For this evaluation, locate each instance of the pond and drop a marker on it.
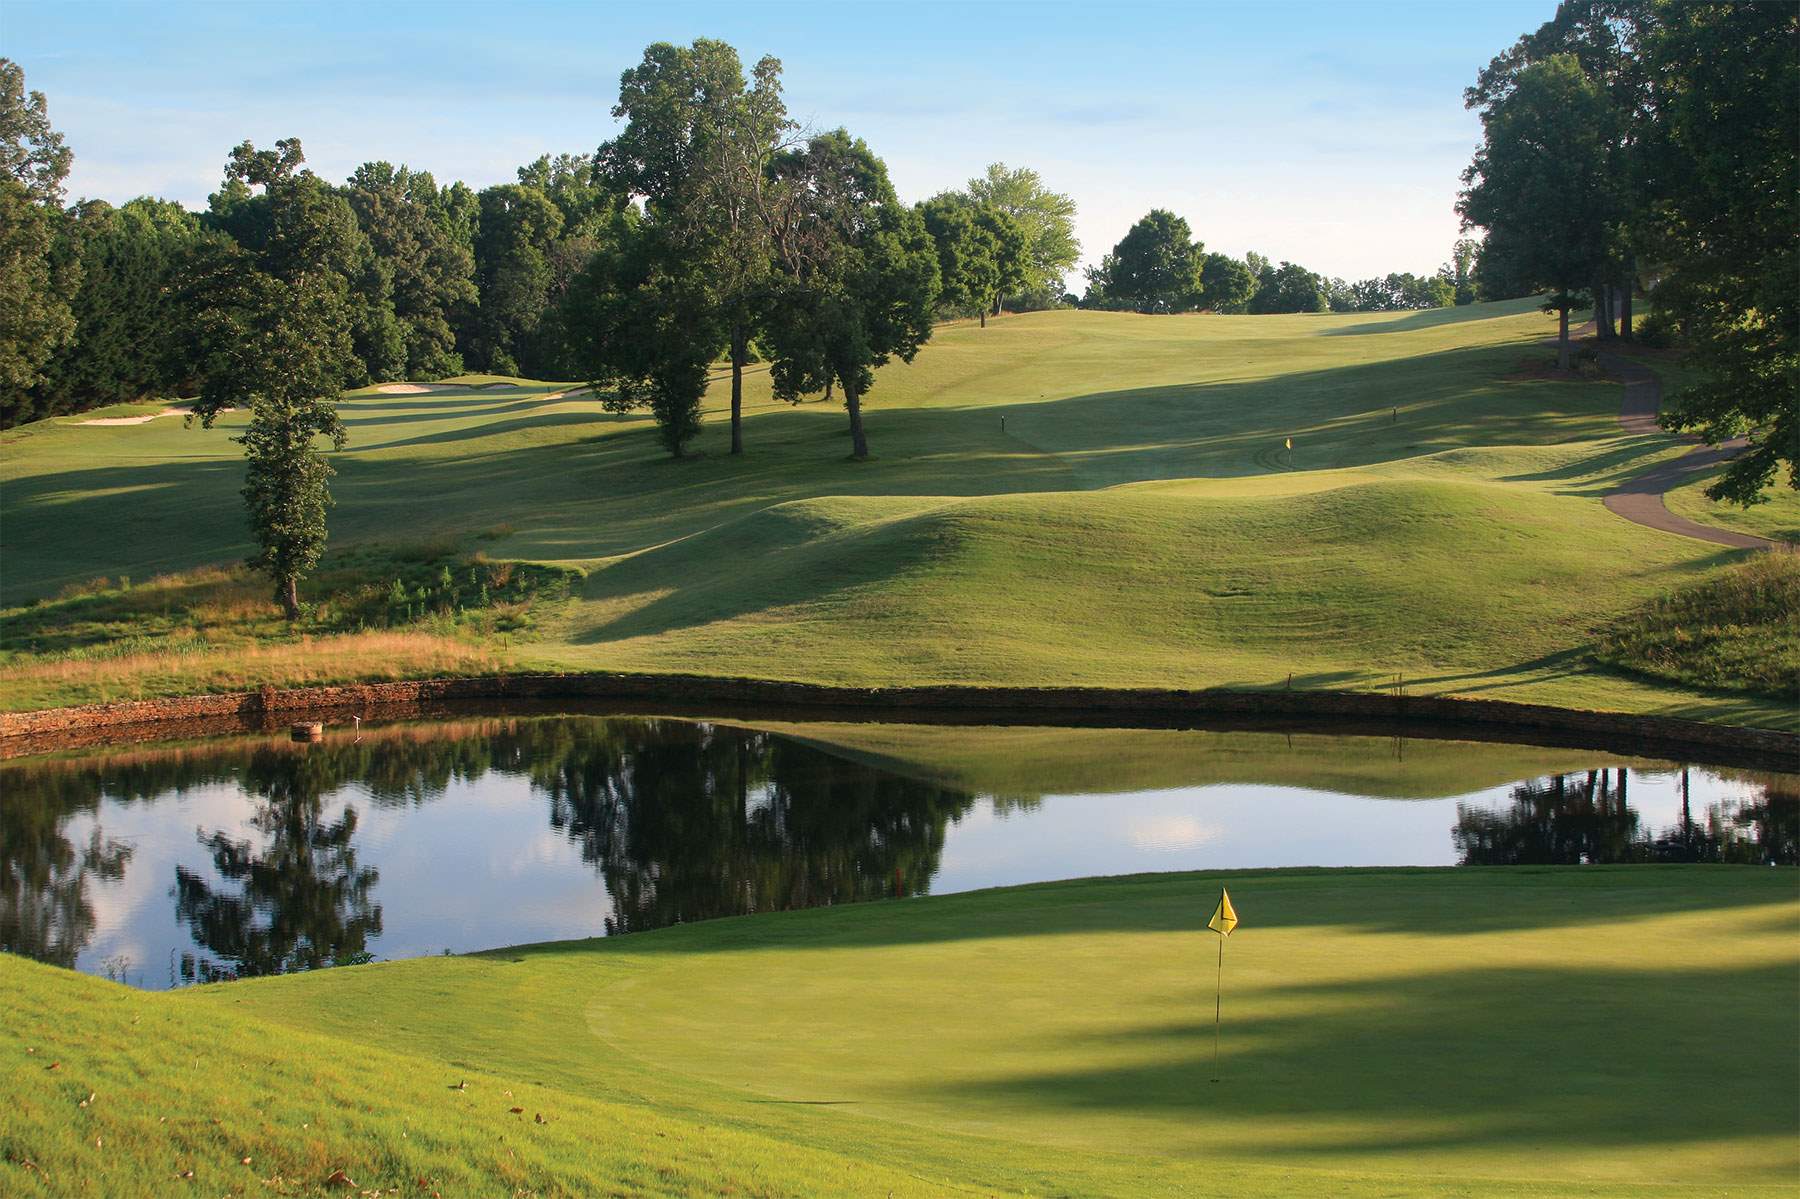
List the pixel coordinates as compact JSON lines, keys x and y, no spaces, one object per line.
{"x":166,"y":865}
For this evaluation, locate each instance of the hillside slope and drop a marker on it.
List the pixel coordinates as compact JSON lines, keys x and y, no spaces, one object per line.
{"x":1063,"y":497}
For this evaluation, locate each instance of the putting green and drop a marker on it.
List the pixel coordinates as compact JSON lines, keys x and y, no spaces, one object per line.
{"x":1595,"y":1031}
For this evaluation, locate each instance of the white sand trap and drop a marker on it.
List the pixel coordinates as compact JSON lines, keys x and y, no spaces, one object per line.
{"x":136,"y":420}
{"x":414,"y":389}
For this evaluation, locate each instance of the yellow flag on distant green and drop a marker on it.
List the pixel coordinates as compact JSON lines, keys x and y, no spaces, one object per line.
{"x":1290,"y":443}
{"x":1225,"y":918}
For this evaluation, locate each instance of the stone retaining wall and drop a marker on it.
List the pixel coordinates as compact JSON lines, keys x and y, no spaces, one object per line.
{"x":30,"y":732}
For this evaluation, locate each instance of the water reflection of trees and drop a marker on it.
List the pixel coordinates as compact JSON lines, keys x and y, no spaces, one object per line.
{"x":298,"y":900}
{"x":690,"y":821}
{"x":1573,"y":819}
{"x":46,"y":911}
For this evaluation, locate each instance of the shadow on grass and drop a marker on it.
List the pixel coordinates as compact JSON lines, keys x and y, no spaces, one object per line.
{"x":1524,"y":1058}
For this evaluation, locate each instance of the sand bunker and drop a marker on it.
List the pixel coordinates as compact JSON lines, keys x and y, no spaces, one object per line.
{"x":135,"y":420}
{"x":413,"y":389}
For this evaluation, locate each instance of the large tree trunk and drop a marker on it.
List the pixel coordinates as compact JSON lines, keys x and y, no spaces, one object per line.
{"x":997,"y":299}
{"x":984,"y":316}
{"x":1603,"y":322}
{"x":1562,"y":338}
{"x":1625,"y":308}
{"x":859,"y":444}
{"x":739,"y":344}
{"x":287,"y":594}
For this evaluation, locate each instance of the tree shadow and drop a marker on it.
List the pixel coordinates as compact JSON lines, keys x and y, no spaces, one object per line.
{"x":1527,"y":1058}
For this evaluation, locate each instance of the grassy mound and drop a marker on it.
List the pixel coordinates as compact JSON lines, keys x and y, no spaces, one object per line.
{"x":1737,"y":630}
{"x":1388,"y":1032}
{"x":1340,"y":584}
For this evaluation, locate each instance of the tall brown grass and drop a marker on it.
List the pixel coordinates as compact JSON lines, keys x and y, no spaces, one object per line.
{"x":374,"y":656}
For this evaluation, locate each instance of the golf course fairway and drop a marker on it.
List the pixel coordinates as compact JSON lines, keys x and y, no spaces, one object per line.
{"x":1572,"y":1031}
{"x":1061,"y":498}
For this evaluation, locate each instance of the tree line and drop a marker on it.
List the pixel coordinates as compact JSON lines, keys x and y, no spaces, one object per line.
{"x":112,"y":304}
{"x":1160,"y":267}
{"x":1636,"y":147}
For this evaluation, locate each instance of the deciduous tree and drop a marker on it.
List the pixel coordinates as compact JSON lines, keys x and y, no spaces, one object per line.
{"x":859,"y":275}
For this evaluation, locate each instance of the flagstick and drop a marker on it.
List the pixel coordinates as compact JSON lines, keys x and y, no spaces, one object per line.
{"x":1218,"y":1007}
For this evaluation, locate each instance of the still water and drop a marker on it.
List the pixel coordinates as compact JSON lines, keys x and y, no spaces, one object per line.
{"x":163,"y":866}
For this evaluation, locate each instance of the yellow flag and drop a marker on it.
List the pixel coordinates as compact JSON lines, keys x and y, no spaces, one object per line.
{"x":1225,"y":918}
{"x":1290,"y":443}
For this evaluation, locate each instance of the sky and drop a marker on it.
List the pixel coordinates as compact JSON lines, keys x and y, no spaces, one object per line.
{"x":1329,"y":134}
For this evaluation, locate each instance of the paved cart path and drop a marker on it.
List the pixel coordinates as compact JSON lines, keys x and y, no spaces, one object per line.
{"x":1640,"y":498}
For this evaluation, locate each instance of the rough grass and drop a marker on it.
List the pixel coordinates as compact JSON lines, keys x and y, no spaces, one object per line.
{"x":403,"y":612}
{"x":1064,"y":497}
{"x":1739,"y":628}
{"x":1586,"y":1031}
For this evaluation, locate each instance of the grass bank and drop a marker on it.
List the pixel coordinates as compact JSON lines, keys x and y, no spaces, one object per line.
{"x":1062,"y":498}
{"x":1586,"y":1031}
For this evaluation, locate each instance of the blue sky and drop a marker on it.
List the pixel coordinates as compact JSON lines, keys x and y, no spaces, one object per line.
{"x":1330,"y":134}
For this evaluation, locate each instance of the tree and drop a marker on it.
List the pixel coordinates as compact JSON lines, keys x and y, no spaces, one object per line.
{"x":859,"y":275}
{"x":1226,"y":284}
{"x":32,"y":154}
{"x":1605,"y":39}
{"x":1157,"y":265}
{"x":1459,"y":272}
{"x":1729,"y":104}
{"x":1539,"y":184}
{"x":276,"y":327}
{"x":431,"y":269}
{"x":969,"y":254}
{"x":516,"y":231}
{"x":697,"y":148}
{"x":1046,"y":221}
{"x":132,"y":335}
{"x":37,"y":277}
{"x":648,"y":331}
{"x":300,"y":225}
{"x":1288,"y":288}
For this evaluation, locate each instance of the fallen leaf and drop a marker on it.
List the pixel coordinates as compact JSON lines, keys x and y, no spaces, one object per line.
{"x":245,"y":1162}
{"x":461,"y":1086}
{"x":185,"y":1174}
{"x":515,"y":1110}
{"x":540,"y":1118}
{"x":54,"y":1066}
{"x":86,"y":1101}
{"x":96,"y":1142}
{"x":337,"y":1178}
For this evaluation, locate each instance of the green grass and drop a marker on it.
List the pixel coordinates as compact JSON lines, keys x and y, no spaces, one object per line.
{"x":1740,"y":627}
{"x":1778,"y":519}
{"x":1586,"y":1031}
{"x":1064,"y":497}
